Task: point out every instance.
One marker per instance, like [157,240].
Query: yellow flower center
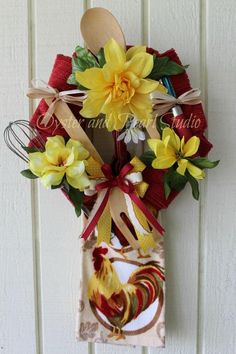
[61,162]
[178,155]
[62,158]
[122,89]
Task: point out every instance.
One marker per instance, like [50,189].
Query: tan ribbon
[43,90]
[163,102]
[133,177]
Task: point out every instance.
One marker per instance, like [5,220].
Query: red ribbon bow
[127,187]
[116,181]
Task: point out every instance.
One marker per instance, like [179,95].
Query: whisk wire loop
[18,135]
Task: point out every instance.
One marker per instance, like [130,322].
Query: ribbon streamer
[135,178]
[163,102]
[104,189]
[43,90]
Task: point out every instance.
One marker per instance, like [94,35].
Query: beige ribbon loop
[133,177]
[41,89]
[162,102]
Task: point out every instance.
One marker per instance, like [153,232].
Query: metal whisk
[17,136]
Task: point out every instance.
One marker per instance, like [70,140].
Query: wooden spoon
[97,26]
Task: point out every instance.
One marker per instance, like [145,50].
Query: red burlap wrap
[155,194]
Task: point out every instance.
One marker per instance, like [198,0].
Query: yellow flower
[120,88]
[170,150]
[59,160]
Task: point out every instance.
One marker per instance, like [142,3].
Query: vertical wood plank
[218,313]
[57,31]
[18,329]
[177,24]
[132,27]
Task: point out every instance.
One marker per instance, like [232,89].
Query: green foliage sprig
[164,66]
[82,60]
[175,181]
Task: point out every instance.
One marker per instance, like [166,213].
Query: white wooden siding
[39,258]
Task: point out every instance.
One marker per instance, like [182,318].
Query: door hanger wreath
[137,94]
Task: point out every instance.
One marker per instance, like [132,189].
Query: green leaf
[78,211]
[203,162]
[29,150]
[72,80]
[28,174]
[178,181]
[81,64]
[160,125]
[173,180]
[148,157]
[77,199]
[163,66]
[194,185]
[77,65]
[159,65]
[82,61]
[101,57]
[80,51]
[85,59]
[85,54]
[172,68]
